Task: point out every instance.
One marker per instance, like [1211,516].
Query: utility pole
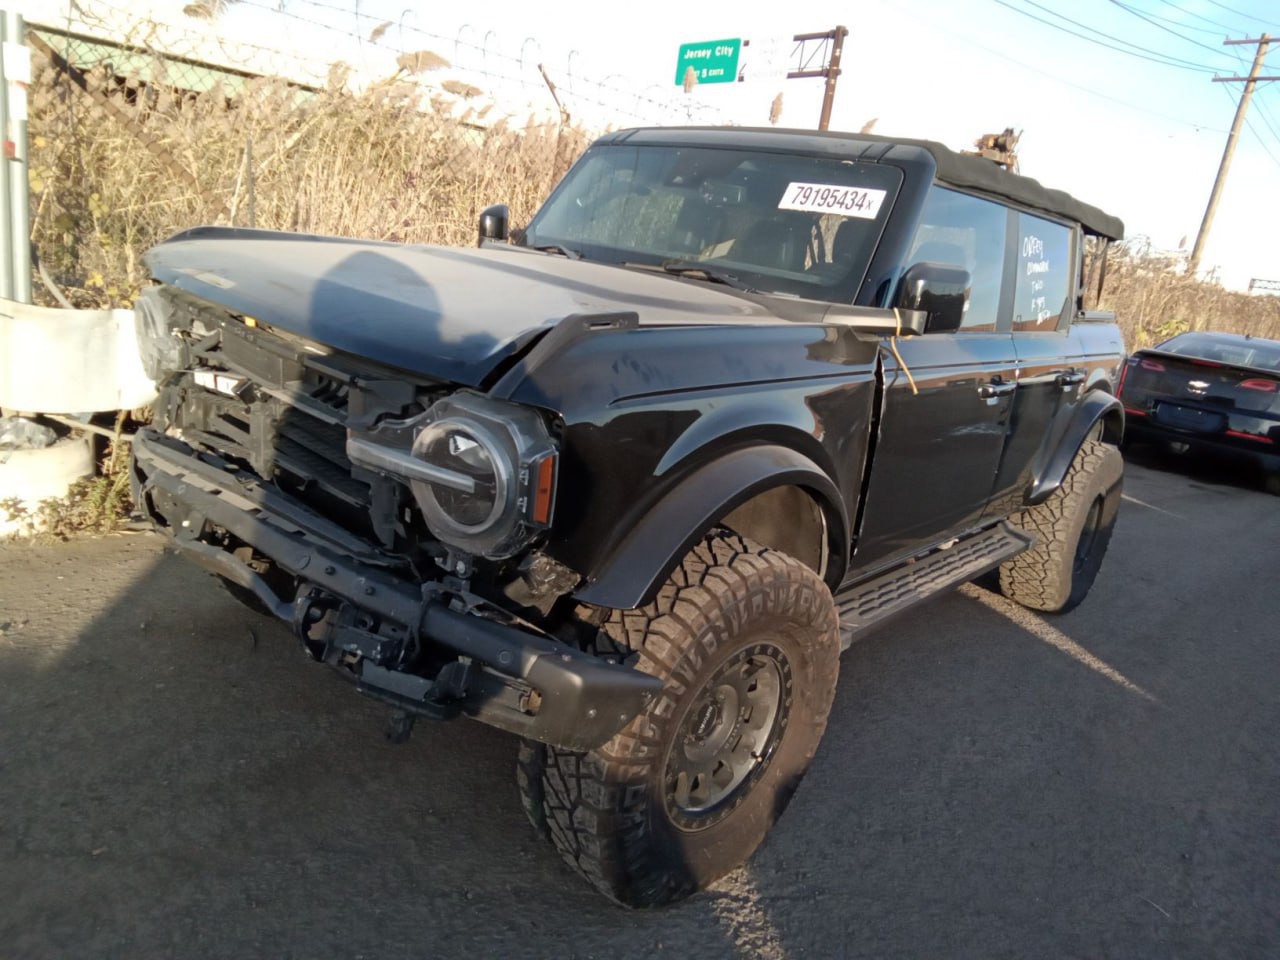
[1242,107]
[831,44]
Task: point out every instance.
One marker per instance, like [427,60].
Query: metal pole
[18,74]
[1196,251]
[833,73]
[6,234]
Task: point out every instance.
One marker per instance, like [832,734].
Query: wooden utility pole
[1242,107]
[830,70]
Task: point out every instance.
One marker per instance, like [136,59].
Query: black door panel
[939,448]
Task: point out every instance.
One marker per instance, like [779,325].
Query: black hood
[444,312]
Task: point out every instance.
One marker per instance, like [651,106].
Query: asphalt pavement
[176,781]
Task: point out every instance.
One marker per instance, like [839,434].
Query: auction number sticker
[828,198]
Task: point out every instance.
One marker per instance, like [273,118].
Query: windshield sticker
[830,198]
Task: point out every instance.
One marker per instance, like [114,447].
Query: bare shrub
[387,164]
[1155,299]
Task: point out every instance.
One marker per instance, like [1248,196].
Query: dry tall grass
[1155,299]
[387,164]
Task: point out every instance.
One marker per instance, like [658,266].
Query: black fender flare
[632,573]
[1096,407]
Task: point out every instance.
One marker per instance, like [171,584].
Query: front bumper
[352,607]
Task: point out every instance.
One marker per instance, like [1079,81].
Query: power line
[1240,13]
[1265,113]
[1142,16]
[1128,43]
[1200,16]
[1040,72]
[1262,143]
[1182,23]
[1168,62]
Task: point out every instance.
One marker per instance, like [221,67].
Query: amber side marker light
[543,490]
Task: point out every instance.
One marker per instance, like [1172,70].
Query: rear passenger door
[1050,371]
[943,428]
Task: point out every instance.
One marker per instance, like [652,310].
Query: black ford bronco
[625,481]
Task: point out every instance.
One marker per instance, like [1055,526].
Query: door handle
[1071,378]
[997,388]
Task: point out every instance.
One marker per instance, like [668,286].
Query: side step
[873,601]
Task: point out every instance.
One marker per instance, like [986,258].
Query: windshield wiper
[694,271]
[562,251]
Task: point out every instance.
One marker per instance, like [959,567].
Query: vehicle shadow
[1203,469]
[179,781]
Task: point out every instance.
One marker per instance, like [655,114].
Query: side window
[967,232]
[1045,263]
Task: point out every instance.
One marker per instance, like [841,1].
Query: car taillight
[1155,366]
[1266,386]
[1124,372]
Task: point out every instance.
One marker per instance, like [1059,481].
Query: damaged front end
[393,524]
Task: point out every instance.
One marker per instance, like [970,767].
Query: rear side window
[969,232]
[1043,274]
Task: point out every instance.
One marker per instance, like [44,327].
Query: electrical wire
[1262,143]
[1200,16]
[1217,51]
[1128,43]
[1241,13]
[1046,75]
[1252,129]
[1188,26]
[1265,117]
[1175,62]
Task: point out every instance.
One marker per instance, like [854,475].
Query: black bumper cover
[514,679]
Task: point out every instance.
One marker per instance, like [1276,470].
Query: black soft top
[955,169]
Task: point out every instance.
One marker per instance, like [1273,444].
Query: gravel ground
[176,781]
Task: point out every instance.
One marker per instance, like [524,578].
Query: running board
[870,603]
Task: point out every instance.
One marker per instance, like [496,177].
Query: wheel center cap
[708,717]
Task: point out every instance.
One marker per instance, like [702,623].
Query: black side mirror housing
[495,222]
[939,290]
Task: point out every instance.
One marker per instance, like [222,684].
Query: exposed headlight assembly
[483,472]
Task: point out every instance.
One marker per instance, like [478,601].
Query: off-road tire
[1056,574]
[609,811]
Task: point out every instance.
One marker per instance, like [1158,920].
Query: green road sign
[713,61]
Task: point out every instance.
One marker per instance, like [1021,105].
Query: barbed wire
[372,49]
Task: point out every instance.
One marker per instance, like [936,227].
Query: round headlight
[474,459]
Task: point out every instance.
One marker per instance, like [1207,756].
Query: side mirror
[495,222]
[939,290]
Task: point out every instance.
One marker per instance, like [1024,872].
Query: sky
[1138,138]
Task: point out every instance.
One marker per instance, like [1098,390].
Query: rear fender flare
[1099,410]
[632,573]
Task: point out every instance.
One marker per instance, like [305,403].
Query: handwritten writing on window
[1035,265]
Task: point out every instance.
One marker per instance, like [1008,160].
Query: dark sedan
[1215,394]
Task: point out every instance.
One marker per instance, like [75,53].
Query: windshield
[778,223]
